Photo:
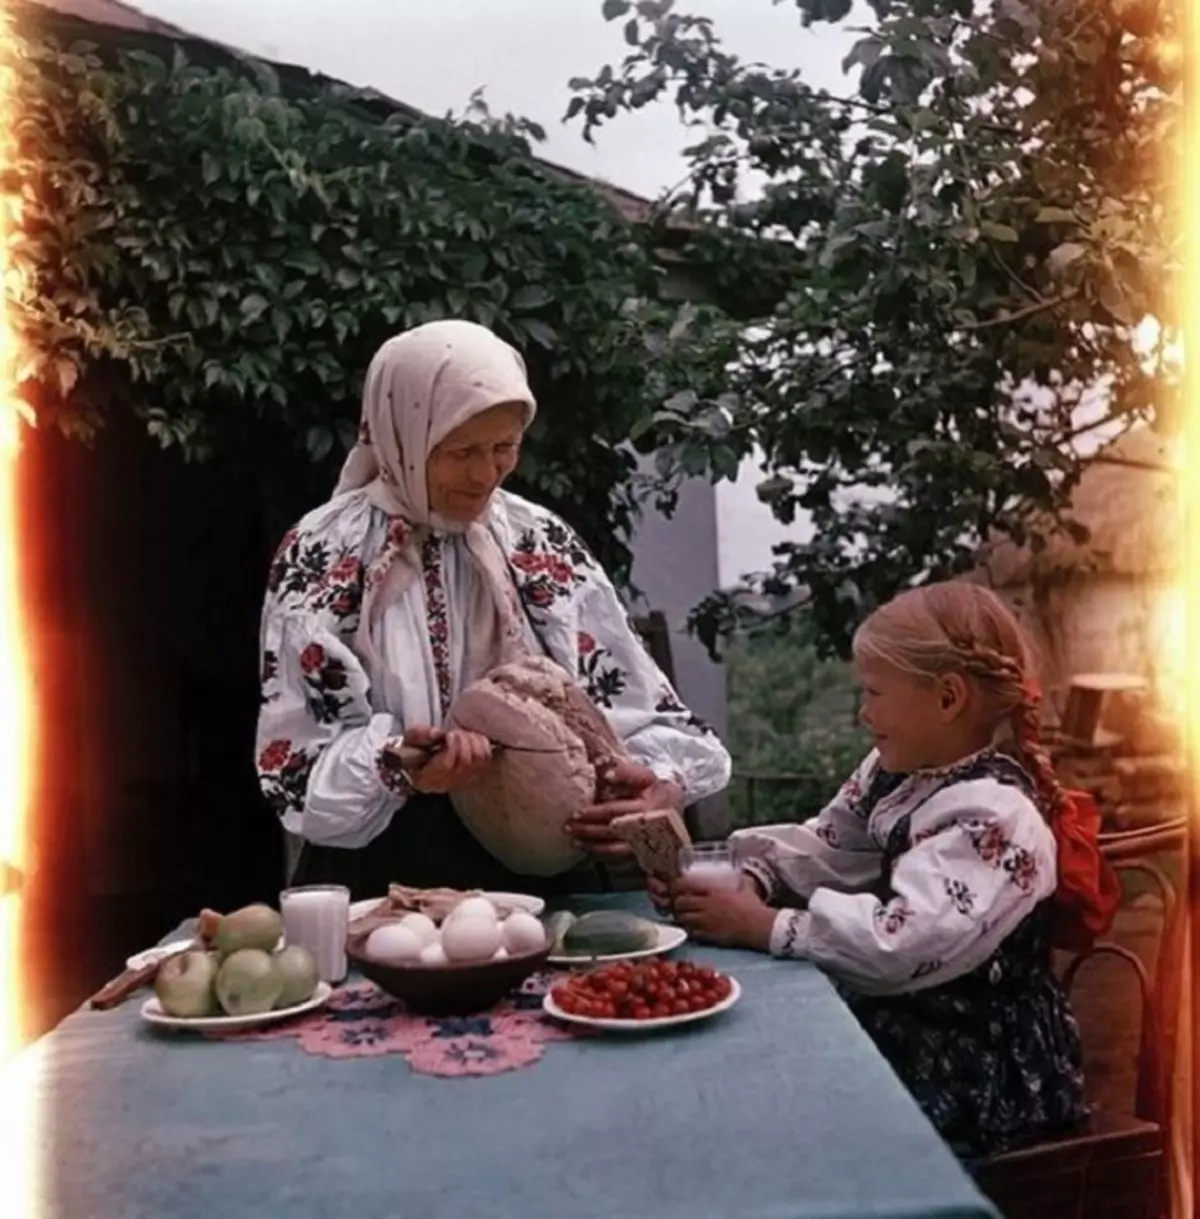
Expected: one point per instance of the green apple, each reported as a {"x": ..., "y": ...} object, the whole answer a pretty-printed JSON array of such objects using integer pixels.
[
  {"x": 295, "y": 965},
  {"x": 184, "y": 984},
  {"x": 248, "y": 983}
]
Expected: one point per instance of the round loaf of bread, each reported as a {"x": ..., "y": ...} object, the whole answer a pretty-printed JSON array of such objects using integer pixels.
[{"x": 553, "y": 744}]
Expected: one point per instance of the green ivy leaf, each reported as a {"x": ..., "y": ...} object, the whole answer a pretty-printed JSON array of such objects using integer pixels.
[
  {"x": 1056, "y": 215},
  {"x": 253, "y": 307},
  {"x": 532, "y": 296},
  {"x": 1004, "y": 233}
]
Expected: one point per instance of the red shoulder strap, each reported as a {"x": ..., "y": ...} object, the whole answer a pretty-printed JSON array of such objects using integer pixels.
[{"x": 1088, "y": 893}]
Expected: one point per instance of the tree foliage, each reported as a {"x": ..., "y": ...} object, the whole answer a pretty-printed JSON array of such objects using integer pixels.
[
  {"x": 936, "y": 281},
  {"x": 221, "y": 251},
  {"x": 793, "y": 725}
]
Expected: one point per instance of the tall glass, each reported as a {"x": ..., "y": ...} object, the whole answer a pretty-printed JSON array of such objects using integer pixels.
[
  {"x": 317, "y": 917},
  {"x": 711, "y": 864}
]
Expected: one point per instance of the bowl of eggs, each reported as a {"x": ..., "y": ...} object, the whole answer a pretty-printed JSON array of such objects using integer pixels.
[{"x": 466, "y": 964}]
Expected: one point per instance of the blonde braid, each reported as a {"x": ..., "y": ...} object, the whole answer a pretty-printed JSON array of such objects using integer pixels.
[
  {"x": 1033, "y": 755},
  {"x": 1005, "y": 677}
]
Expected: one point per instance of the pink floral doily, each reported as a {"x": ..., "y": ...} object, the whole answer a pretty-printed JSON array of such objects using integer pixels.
[{"x": 362, "y": 1021}]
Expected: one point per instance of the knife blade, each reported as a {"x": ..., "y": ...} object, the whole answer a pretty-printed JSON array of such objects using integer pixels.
[
  {"x": 140, "y": 970},
  {"x": 413, "y": 757}
]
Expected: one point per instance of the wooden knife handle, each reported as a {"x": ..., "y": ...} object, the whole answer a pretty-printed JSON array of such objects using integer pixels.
[{"x": 122, "y": 986}]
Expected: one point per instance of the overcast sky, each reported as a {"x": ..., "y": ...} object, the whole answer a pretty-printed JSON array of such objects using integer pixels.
[{"x": 434, "y": 54}]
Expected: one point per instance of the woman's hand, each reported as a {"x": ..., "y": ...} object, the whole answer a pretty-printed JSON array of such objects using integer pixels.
[
  {"x": 628, "y": 788},
  {"x": 461, "y": 758},
  {"x": 733, "y": 918}
]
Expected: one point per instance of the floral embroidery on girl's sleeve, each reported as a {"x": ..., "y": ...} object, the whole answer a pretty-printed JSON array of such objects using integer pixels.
[
  {"x": 324, "y": 678},
  {"x": 827, "y": 833},
  {"x": 603, "y": 679},
  {"x": 925, "y": 968},
  {"x": 284, "y": 772},
  {"x": 892, "y": 917},
  {"x": 989, "y": 840},
  {"x": 994, "y": 847},
  {"x": 791, "y": 936},
  {"x": 960, "y": 895},
  {"x": 1022, "y": 868}
]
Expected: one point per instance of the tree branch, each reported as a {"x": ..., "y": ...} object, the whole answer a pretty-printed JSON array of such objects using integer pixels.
[{"x": 1029, "y": 310}]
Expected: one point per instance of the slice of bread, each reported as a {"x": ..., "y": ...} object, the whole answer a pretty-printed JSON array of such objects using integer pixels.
[{"x": 656, "y": 838}]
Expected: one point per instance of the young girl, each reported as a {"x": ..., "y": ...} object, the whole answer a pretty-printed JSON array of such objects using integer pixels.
[{"x": 931, "y": 886}]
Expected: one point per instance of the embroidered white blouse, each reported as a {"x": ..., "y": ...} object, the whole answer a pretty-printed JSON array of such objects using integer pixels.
[
  {"x": 970, "y": 857},
  {"x": 327, "y": 711}
]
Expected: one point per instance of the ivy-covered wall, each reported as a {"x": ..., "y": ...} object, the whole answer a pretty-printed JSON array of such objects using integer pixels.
[{"x": 219, "y": 247}]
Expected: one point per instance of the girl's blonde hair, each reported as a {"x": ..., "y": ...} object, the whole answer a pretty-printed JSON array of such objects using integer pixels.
[{"x": 957, "y": 627}]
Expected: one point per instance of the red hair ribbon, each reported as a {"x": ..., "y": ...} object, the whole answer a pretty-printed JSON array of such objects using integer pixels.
[{"x": 1088, "y": 893}]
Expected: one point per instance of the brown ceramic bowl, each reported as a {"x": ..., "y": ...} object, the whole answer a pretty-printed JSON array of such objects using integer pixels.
[{"x": 447, "y": 990}]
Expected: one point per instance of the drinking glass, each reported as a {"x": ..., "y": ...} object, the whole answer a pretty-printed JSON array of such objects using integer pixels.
[
  {"x": 712, "y": 864},
  {"x": 317, "y": 917}
]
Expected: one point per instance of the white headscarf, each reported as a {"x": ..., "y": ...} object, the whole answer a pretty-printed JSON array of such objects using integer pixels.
[{"x": 420, "y": 386}]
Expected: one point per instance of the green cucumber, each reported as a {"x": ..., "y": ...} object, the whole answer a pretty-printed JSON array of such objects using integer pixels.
[{"x": 604, "y": 933}]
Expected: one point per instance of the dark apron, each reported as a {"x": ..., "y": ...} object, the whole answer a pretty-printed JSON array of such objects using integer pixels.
[{"x": 427, "y": 846}]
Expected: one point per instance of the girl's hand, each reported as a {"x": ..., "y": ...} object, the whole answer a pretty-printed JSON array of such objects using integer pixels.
[
  {"x": 659, "y": 889},
  {"x": 461, "y": 758},
  {"x": 733, "y": 918}
]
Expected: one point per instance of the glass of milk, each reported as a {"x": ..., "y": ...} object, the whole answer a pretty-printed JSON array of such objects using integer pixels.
[
  {"x": 711, "y": 864},
  {"x": 317, "y": 917}
]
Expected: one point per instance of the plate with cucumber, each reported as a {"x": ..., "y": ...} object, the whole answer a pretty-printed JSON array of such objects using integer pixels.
[{"x": 607, "y": 935}]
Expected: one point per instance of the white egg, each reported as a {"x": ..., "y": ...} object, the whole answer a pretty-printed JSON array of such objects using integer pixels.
[
  {"x": 522, "y": 933},
  {"x": 393, "y": 945},
  {"x": 471, "y": 907},
  {"x": 470, "y": 939},
  {"x": 432, "y": 954},
  {"x": 501, "y": 954},
  {"x": 422, "y": 926}
]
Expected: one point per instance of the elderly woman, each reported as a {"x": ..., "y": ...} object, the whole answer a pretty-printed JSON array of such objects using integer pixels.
[{"x": 419, "y": 576}]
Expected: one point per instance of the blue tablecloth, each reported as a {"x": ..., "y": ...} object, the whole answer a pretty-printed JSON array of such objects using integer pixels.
[{"x": 780, "y": 1109}]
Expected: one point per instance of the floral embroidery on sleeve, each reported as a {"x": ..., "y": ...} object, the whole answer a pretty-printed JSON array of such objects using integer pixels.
[
  {"x": 994, "y": 847},
  {"x": 1022, "y": 868},
  {"x": 341, "y": 589},
  {"x": 284, "y": 772},
  {"x": 826, "y": 831},
  {"x": 668, "y": 704},
  {"x": 547, "y": 565},
  {"x": 892, "y": 917},
  {"x": 270, "y": 671},
  {"x": 603, "y": 679},
  {"x": 324, "y": 678},
  {"x": 391, "y": 774},
  {"x": 960, "y": 895},
  {"x": 298, "y": 565}
]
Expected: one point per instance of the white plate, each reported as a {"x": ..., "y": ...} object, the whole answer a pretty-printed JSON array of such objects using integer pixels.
[
  {"x": 669, "y": 938},
  {"x": 643, "y": 1026},
  {"x": 153, "y": 1013},
  {"x": 517, "y": 901}
]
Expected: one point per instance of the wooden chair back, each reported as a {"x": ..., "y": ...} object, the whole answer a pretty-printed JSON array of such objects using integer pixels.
[{"x": 1118, "y": 1167}]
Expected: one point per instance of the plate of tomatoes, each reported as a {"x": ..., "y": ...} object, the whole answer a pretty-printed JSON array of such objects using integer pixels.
[{"x": 638, "y": 996}]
